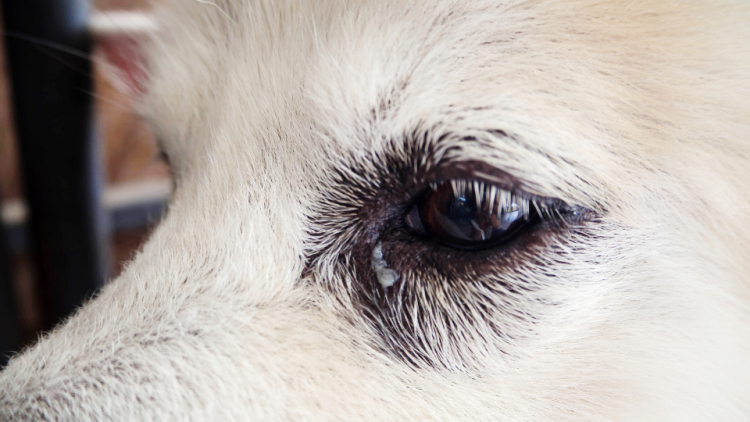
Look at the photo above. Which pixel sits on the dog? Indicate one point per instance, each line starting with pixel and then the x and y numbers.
pixel 510 210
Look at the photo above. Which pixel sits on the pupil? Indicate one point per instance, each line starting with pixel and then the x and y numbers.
pixel 461 209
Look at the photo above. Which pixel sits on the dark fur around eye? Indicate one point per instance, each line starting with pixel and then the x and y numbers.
pixel 405 284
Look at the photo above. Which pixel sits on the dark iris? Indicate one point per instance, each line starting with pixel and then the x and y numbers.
pixel 470 215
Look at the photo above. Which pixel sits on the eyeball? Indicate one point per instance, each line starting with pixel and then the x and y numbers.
pixel 470 214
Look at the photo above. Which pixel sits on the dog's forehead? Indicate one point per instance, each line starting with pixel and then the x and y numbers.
pixel 358 58
pixel 329 81
pixel 333 72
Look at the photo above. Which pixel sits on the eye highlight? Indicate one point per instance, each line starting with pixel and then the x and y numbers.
pixel 472 214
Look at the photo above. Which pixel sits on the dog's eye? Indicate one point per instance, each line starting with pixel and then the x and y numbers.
pixel 471 214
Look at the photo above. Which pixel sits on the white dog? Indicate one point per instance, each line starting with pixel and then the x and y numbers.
pixel 506 210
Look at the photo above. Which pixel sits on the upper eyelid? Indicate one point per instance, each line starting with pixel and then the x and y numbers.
pixel 427 156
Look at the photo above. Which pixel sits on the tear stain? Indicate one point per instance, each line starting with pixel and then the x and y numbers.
pixel 386 276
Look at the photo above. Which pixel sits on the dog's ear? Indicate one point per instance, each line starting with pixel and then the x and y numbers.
pixel 121 37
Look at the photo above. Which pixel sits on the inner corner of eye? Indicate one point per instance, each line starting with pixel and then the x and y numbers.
pixel 412 220
pixel 471 213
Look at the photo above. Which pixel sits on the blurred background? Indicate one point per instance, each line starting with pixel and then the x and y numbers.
pixel 75 204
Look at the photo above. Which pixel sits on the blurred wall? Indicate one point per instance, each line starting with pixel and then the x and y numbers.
pixel 128 153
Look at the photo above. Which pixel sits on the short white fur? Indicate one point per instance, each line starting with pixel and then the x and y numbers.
pixel 638 110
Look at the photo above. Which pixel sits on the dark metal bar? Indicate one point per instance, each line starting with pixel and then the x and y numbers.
pixel 48 50
pixel 8 318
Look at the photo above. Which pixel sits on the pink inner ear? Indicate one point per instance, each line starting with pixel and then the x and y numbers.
pixel 125 61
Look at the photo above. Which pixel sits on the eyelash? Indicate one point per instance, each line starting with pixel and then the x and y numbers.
pixel 500 198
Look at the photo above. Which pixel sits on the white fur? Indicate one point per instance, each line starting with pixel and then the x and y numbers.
pixel 638 110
